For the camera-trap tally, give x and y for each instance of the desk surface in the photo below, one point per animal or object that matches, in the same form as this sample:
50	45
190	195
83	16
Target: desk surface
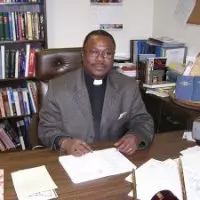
165	145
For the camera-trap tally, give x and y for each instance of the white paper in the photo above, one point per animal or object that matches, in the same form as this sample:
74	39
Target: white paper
1	184
165	175
190	150
175	55
50	194
188	136
97	164
191	166
183	10
31	181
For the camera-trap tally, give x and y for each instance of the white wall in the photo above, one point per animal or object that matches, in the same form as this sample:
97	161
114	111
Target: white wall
68	22
164	24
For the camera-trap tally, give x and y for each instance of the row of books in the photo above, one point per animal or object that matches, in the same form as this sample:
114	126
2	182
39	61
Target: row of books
16	135
17	63
20	1
18	102
142	50
21	26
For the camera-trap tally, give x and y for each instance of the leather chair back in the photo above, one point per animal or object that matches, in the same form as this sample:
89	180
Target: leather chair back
55	62
50	63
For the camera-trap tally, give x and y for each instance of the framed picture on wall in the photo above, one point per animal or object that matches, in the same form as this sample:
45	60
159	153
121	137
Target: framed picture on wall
111	26
105	2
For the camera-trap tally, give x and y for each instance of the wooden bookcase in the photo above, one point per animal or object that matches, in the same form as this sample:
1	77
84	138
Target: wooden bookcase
23	31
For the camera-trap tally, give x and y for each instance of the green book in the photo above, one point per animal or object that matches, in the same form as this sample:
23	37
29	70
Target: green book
1	27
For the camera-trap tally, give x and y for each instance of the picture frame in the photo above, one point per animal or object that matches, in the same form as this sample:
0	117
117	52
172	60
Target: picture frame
106	2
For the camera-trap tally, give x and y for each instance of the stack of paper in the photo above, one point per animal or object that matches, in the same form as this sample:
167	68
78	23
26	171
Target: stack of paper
154	176
1	184
97	164
191	170
34	184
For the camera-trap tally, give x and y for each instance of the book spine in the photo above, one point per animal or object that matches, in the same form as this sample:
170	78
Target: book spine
21	102
6	102
16	99
6	26
21	139
1	27
25	101
3	114
31	67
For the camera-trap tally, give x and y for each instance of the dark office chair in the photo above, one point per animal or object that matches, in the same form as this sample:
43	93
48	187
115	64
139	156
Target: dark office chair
49	64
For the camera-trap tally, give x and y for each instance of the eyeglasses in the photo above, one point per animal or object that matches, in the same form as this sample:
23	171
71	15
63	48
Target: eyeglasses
95	53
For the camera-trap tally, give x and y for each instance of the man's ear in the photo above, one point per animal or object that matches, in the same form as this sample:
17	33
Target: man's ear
82	54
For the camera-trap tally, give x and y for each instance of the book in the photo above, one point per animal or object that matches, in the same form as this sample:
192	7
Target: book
196	89
161	84
166	42
184	87
10	131
21	137
95	165
155	70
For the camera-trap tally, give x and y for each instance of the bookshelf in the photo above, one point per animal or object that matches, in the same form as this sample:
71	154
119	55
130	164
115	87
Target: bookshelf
22	32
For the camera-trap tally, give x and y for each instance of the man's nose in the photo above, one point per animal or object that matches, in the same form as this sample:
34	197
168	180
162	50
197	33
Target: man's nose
100	55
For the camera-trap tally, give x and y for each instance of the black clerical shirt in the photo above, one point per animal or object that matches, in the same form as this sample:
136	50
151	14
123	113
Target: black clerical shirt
96	94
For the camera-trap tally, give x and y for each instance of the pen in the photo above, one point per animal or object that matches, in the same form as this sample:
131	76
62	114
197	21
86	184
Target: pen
180	169
134	185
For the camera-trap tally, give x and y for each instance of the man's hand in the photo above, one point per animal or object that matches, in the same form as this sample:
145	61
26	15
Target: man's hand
128	144
75	147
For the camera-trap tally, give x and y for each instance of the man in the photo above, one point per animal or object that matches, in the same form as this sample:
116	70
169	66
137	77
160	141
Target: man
94	103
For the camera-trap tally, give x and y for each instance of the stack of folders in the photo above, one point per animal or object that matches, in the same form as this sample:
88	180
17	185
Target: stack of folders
42	186
182	180
1	184
104	163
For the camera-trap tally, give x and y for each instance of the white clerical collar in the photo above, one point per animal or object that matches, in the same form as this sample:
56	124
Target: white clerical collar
98	82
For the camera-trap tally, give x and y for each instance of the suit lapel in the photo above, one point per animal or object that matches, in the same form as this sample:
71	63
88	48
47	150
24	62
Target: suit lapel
81	98
111	98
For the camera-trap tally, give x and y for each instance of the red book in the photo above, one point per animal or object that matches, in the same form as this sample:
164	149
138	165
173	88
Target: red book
31	67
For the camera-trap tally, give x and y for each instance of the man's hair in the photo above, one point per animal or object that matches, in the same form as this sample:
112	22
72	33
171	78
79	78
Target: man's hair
98	33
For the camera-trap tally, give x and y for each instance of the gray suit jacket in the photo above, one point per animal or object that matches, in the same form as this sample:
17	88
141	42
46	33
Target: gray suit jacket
67	111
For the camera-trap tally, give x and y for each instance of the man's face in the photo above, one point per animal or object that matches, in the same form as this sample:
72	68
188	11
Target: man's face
98	55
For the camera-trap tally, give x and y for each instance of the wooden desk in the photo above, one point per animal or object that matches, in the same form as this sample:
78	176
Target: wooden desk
166	145
167	115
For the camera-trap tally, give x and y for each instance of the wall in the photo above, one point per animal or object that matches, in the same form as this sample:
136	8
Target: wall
68	21
164	24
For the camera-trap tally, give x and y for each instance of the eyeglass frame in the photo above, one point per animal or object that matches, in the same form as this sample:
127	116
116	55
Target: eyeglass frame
105	54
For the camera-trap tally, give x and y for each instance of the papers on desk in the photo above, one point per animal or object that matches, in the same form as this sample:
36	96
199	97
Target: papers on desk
97	164
154	176
1	184
34	184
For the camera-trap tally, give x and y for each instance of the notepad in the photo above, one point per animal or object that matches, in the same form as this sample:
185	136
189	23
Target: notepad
95	165
34	183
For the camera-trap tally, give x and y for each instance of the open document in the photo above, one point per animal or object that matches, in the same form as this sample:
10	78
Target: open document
34	184
94	165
